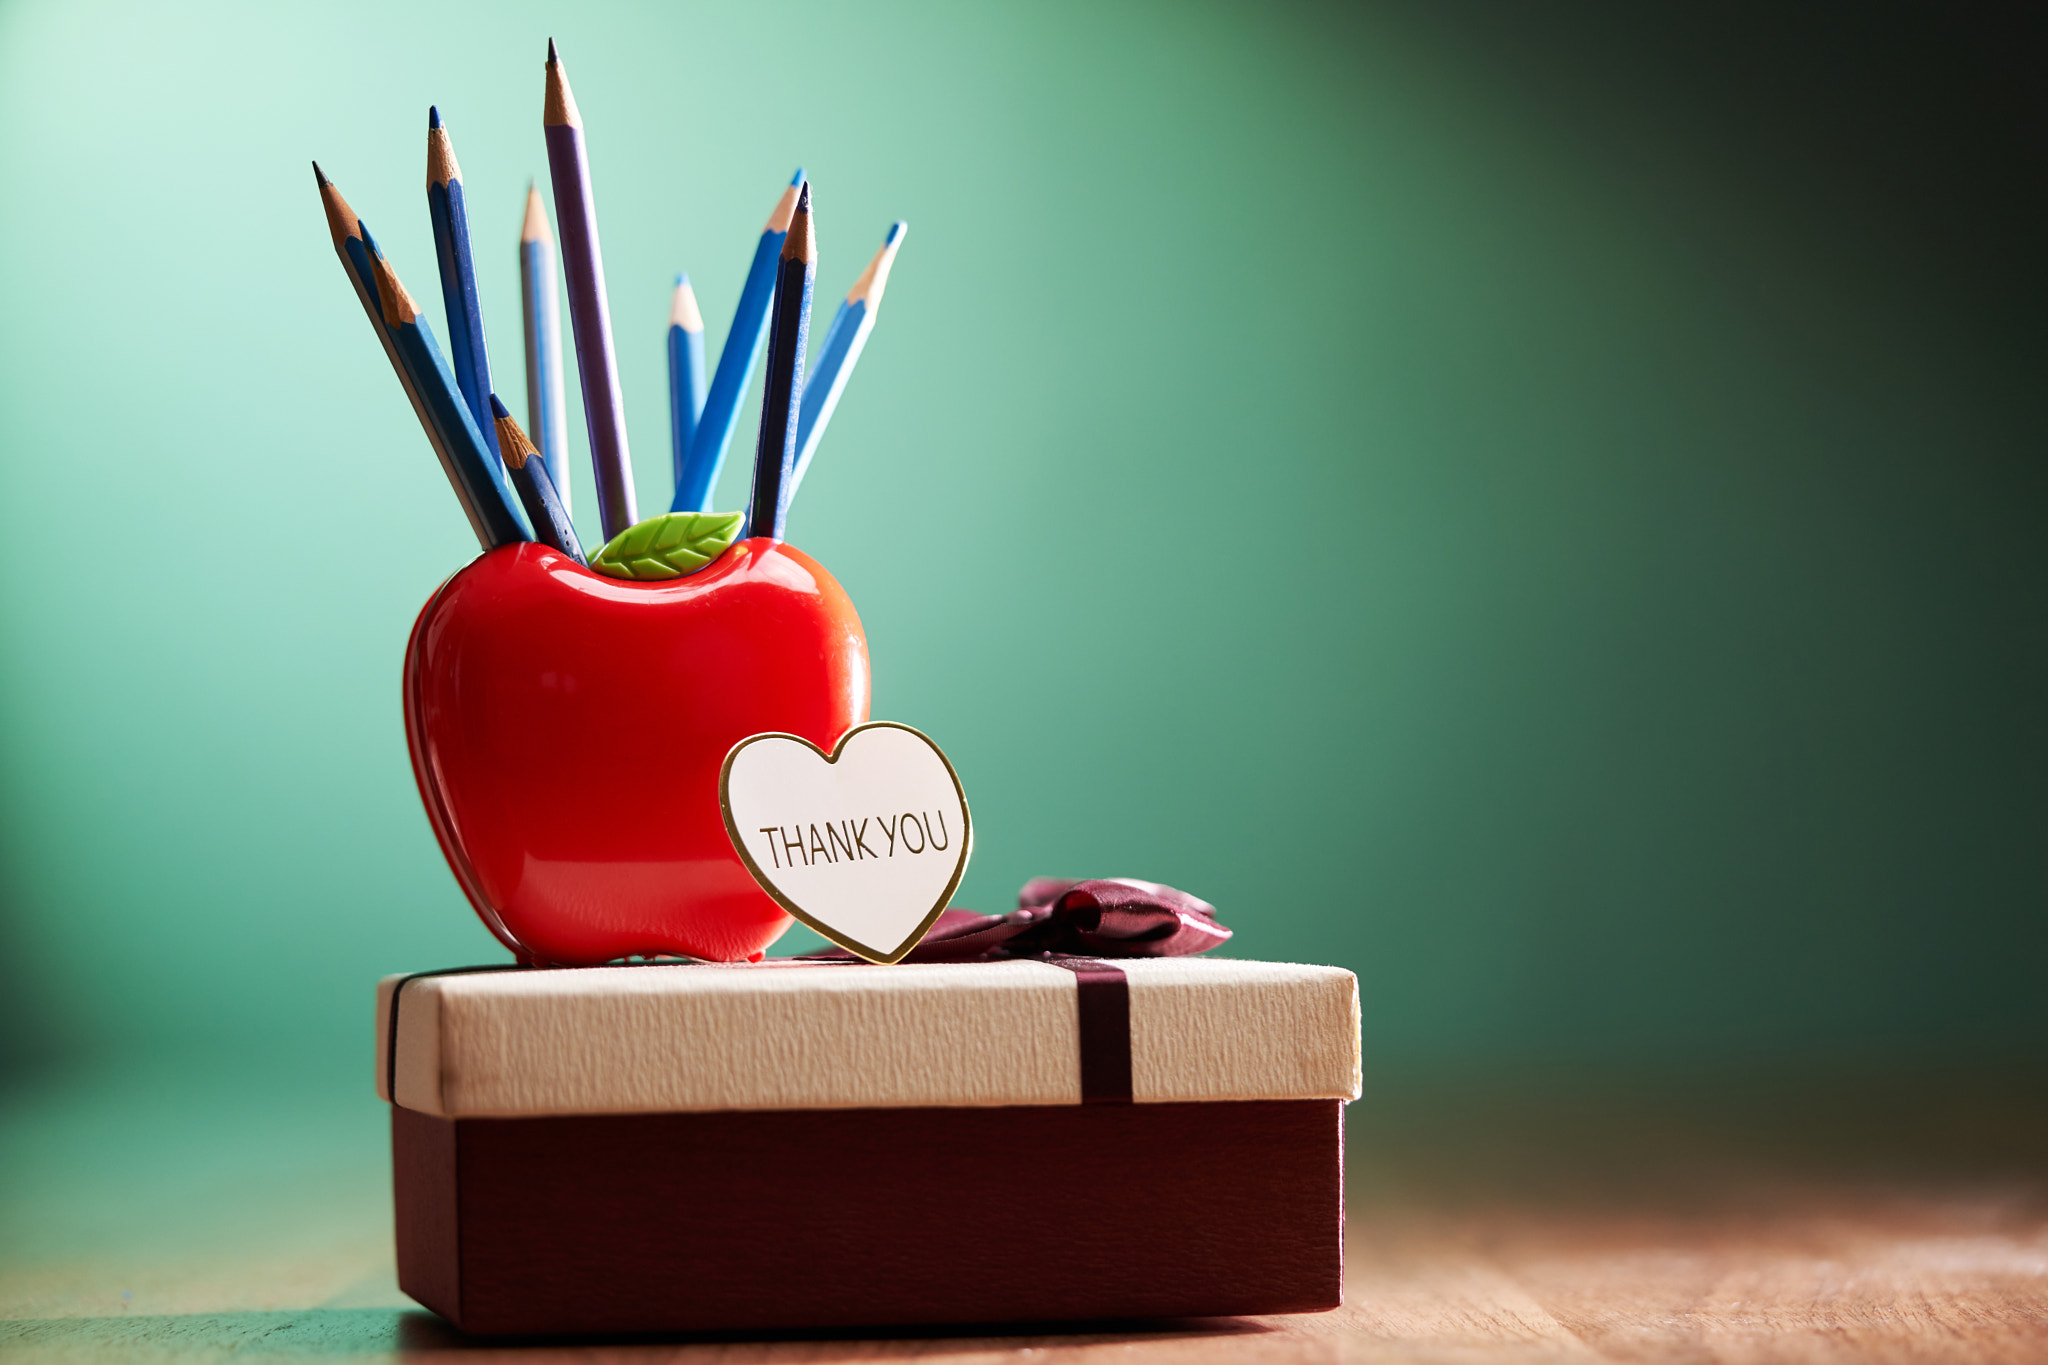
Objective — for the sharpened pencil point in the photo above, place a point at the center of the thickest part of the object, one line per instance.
(342, 223)
(535, 227)
(433, 116)
(798, 178)
(442, 167)
(559, 110)
(778, 217)
(802, 242)
(873, 280)
(512, 441)
(682, 308)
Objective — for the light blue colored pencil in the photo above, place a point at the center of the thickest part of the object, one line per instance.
(844, 341)
(736, 361)
(449, 424)
(685, 373)
(469, 357)
(540, 305)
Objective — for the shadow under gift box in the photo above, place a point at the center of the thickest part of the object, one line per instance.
(796, 1145)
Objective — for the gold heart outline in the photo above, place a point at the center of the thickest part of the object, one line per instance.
(761, 879)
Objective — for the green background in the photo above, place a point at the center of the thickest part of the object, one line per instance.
(1543, 511)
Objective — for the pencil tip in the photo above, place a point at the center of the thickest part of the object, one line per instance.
(551, 51)
(433, 116)
(682, 305)
(895, 231)
(497, 408)
(318, 178)
(803, 198)
(535, 226)
(798, 178)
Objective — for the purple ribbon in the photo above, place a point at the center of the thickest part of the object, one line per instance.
(1074, 925)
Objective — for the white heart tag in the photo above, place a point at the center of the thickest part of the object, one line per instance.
(866, 845)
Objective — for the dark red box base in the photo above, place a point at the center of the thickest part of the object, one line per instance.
(870, 1217)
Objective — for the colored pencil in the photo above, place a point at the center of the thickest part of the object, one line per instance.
(467, 354)
(545, 412)
(551, 524)
(685, 372)
(782, 384)
(350, 246)
(590, 317)
(844, 341)
(736, 362)
(449, 424)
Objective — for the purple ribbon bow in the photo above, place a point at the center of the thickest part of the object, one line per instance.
(1114, 917)
(1074, 925)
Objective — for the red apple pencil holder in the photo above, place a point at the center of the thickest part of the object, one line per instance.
(567, 730)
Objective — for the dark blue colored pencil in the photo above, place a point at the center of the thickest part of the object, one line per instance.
(551, 524)
(782, 385)
(449, 423)
(685, 373)
(468, 355)
(736, 361)
(350, 245)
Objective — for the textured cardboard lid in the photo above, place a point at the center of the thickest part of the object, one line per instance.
(668, 1038)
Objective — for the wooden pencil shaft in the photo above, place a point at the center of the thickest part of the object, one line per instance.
(604, 407)
(469, 356)
(781, 396)
(546, 415)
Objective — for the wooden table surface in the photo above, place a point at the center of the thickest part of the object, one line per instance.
(1897, 1219)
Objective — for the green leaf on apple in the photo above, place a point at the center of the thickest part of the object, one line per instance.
(668, 546)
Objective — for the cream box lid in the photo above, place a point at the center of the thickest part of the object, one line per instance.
(667, 1038)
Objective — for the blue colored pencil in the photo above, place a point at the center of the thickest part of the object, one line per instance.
(449, 423)
(538, 290)
(350, 245)
(590, 311)
(844, 341)
(782, 384)
(685, 372)
(551, 524)
(736, 361)
(468, 355)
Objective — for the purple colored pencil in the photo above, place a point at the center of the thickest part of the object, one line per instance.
(590, 315)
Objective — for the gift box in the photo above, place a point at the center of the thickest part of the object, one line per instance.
(803, 1144)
